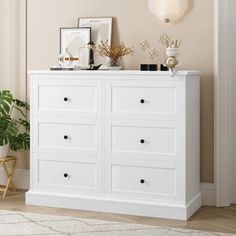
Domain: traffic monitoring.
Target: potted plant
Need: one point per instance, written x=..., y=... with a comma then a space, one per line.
x=114, y=53
x=14, y=127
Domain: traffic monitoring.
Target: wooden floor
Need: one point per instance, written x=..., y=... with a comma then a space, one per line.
x=207, y=218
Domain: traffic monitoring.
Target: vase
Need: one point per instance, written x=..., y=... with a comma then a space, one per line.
x=113, y=64
x=173, y=52
x=4, y=150
x=172, y=60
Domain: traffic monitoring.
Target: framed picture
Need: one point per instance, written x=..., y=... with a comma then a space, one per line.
x=74, y=41
x=101, y=30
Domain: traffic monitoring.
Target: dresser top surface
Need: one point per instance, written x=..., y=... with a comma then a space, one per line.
x=114, y=72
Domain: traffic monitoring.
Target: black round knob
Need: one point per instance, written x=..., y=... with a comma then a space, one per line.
x=65, y=175
x=142, y=181
x=66, y=99
x=66, y=137
x=142, y=141
x=142, y=101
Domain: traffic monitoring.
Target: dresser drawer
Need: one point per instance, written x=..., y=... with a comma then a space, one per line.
x=68, y=177
x=139, y=181
x=66, y=98
x=68, y=136
x=137, y=99
x=142, y=139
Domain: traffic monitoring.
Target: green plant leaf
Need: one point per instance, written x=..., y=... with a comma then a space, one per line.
x=5, y=102
x=20, y=110
x=11, y=123
x=24, y=123
x=21, y=104
x=20, y=142
x=8, y=129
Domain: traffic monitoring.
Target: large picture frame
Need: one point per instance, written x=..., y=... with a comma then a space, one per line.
x=74, y=40
x=101, y=30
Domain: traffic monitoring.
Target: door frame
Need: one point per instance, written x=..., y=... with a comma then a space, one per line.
x=222, y=105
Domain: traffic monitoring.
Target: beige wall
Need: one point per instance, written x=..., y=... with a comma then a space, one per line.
x=12, y=46
x=13, y=53
x=133, y=23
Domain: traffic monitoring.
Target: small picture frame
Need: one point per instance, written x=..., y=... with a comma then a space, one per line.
x=74, y=41
x=101, y=30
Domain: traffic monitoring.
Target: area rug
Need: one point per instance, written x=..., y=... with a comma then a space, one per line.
x=27, y=224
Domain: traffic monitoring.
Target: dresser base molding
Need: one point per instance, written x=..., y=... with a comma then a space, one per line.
x=169, y=211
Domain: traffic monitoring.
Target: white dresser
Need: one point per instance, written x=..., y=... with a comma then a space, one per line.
x=116, y=141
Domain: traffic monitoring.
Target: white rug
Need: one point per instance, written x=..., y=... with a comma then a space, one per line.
x=27, y=224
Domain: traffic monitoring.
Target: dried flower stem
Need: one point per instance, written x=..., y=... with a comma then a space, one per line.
x=168, y=42
x=114, y=53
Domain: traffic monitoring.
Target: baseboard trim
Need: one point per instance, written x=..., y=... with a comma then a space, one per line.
x=194, y=205
x=22, y=181
x=208, y=194
x=170, y=211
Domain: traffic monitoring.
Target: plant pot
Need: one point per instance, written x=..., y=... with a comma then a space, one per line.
x=4, y=150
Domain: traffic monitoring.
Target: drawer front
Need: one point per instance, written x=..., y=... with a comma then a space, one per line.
x=68, y=136
x=68, y=177
x=147, y=99
x=142, y=139
x=143, y=180
x=68, y=98
x=140, y=182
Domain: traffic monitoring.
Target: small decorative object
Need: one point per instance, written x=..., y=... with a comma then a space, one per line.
x=60, y=68
x=172, y=61
x=151, y=52
x=169, y=11
x=91, y=54
x=172, y=51
x=73, y=46
x=168, y=42
x=66, y=59
x=148, y=67
x=113, y=53
x=144, y=67
x=91, y=47
x=12, y=125
x=153, y=67
x=101, y=30
x=164, y=68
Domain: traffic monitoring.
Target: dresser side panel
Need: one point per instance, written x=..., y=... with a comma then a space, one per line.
x=192, y=131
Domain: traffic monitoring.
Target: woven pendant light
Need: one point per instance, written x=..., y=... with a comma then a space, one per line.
x=169, y=10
